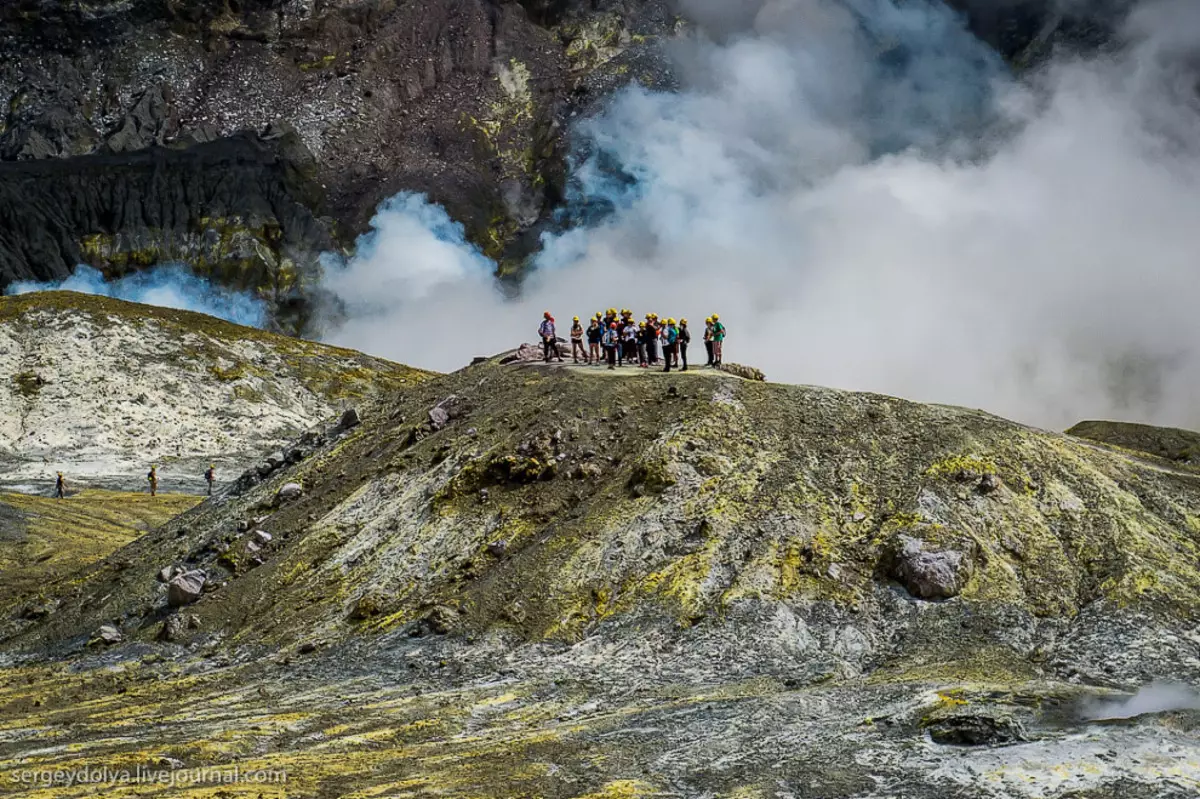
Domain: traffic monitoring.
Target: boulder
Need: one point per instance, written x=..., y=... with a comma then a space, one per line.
x=439, y=417
x=497, y=548
x=289, y=492
x=168, y=573
x=348, y=421
x=176, y=627
x=990, y=483
x=108, y=634
x=929, y=573
x=186, y=588
x=262, y=537
x=276, y=459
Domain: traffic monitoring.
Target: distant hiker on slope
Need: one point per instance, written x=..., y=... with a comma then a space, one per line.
x=577, y=342
x=210, y=476
x=152, y=479
x=60, y=486
x=549, y=337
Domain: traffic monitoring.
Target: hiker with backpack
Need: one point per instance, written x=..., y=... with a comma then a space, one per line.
x=60, y=487
x=670, y=343
x=718, y=340
x=612, y=343
x=549, y=338
x=210, y=476
x=152, y=479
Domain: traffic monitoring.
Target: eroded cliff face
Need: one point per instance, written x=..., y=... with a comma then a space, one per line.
x=522, y=581
x=465, y=100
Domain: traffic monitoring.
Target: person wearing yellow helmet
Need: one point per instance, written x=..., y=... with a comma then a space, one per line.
x=595, y=334
x=685, y=338
x=708, y=339
x=718, y=340
x=60, y=487
x=210, y=476
x=651, y=339
x=152, y=479
x=670, y=344
x=577, y=342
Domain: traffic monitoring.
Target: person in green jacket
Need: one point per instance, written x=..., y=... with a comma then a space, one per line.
x=718, y=337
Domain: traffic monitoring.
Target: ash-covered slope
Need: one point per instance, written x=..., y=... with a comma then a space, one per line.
x=101, y=388
x=515, y=581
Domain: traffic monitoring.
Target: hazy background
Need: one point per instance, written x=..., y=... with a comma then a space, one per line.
x=871, y=202
x=868, y=198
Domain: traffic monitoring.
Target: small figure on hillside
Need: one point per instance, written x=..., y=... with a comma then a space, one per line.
x=685, y=337
x=60, y=487
x=152, y=479
x=577, y=342
x=718, y=340
x=595, y=334
x=210, y=476
x=549, y=337
x=708, y=339
x=670, y=344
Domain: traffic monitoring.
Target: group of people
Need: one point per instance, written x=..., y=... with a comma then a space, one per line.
x=210, y=477
x=615, y=337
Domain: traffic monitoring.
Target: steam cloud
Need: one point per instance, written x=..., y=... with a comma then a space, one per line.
x=171, y=286
x=871, y=202
x=1158, y=697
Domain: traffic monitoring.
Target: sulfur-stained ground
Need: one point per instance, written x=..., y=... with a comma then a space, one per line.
x=44, y=541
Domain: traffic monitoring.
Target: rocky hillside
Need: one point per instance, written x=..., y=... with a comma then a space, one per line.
x=515, y=581
x=101, y=388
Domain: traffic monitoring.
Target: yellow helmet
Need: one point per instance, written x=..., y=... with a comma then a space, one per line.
x=576, y=318
x=716, y=318
x=683, y=321
x=708, y=319
x=212, y=465
x=60, y=474
x=670, y=321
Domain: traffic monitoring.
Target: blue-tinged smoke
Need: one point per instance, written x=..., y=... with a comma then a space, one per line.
x=171, y=286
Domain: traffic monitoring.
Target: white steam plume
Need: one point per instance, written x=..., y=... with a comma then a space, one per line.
x=1159, y=697
x=872, y=203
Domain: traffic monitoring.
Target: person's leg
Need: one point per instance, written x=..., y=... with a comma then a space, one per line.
x=612, y=357
x=666, y=359
x=683, y=356
x=708, y=348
